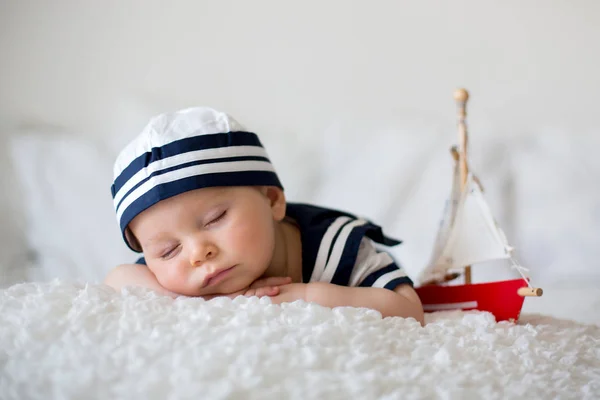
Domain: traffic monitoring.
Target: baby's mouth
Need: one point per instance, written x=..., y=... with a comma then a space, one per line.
x=217, y=277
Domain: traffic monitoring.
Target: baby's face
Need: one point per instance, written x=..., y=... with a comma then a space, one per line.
x=208, y=241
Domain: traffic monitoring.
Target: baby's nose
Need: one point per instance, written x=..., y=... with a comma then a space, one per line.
x=203, y=253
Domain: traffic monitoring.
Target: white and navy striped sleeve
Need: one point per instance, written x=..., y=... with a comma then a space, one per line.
x=375, y=268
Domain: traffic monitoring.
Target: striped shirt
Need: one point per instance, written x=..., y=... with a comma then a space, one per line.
x=339, y=248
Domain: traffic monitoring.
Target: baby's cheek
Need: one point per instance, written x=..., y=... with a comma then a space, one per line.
x=254, y=238
x=169, y=276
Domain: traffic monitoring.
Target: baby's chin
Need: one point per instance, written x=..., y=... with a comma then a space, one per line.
x=223, y=288
x=194, y=289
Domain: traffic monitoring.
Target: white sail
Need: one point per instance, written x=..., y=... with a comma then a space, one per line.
x=447, y=220
x=468, y=233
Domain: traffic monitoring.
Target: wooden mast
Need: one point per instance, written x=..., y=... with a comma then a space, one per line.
x=461, y=96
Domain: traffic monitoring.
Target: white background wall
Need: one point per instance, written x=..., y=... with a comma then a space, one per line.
x=301, y=69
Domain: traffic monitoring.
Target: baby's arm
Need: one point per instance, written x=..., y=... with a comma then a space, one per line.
x=135, y=275
x=401, y=302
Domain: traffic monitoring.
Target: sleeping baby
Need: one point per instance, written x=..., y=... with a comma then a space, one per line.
x=196, y=193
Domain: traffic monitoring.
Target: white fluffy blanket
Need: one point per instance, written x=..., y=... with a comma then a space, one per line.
x=73, y=341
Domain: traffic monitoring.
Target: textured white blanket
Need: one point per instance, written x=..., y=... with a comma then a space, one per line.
x=71, y=341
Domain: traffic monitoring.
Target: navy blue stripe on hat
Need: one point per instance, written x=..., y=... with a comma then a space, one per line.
x=193, y=143
x=214, y=171
x=189, y=164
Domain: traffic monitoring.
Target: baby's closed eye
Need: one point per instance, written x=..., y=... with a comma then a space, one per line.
x=169, y=252
x=214, y=219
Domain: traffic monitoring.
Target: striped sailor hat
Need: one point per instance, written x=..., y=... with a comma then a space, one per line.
x=189, y=149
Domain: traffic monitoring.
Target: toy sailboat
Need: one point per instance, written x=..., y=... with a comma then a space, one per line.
x=468, y=234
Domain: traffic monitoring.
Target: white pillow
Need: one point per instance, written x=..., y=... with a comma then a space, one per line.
x=70, y=221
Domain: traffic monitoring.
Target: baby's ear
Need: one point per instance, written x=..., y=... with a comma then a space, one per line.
x=277, y=200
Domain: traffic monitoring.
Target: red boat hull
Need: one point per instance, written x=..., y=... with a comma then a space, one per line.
x=499, y=298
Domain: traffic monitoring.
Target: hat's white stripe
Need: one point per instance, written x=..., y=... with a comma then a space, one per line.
x=179, y=159
x=194, y=170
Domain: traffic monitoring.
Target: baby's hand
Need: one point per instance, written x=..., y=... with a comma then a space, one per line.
x=290, y=293
x=267, y=286
x=260, y=288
